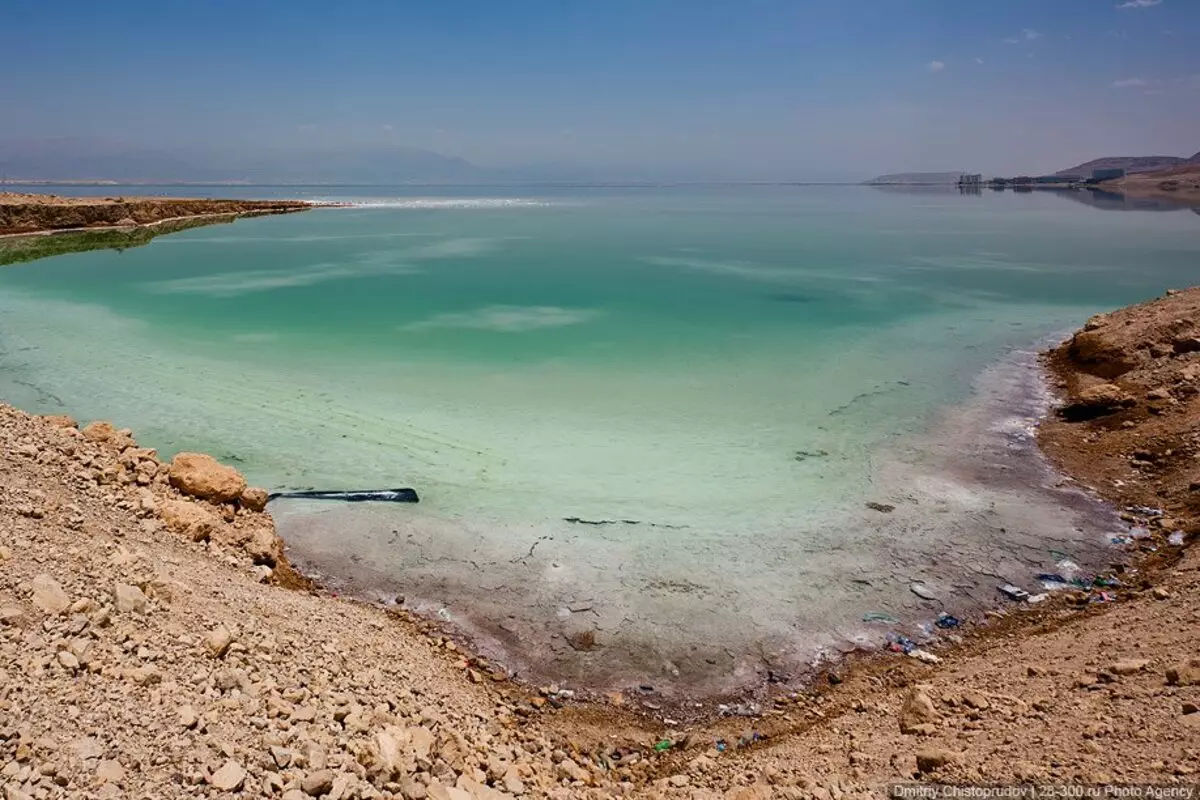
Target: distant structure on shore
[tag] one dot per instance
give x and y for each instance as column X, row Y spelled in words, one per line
column 1108, row 174
column 970, row 179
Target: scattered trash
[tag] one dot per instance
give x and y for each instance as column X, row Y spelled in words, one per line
column 900, row 644
column 747, row 709
column 1139, row 533
column 1175, row 539
column 1146, row 511
column 665, row 744
column 749, row 738
column 879, row 616
column 444, row 613
column 1122, row 540
column 922, row 591
column 945, row 621
column 924, row 655
column 1103, row 597
column 1052, row 577
column 1014, row 593
column 1067, row 568
column 1036, row 598
column 721, row 745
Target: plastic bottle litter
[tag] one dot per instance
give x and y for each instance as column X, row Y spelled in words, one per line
column 1175, row 539
column 665, row 744
column 946, row 621
column 1015, row 593
column 924, row 655
column 922, row 591
column 1067, row 568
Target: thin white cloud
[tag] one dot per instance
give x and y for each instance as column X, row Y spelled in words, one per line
column 1128, row 83
column 978, row 60
column 936, row 66
column 1139, row 3
column 506, row 319
column 1027, row 35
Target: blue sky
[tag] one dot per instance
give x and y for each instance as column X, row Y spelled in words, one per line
column 751, row 89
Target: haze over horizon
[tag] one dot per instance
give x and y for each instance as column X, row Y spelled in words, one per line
column 666, row 90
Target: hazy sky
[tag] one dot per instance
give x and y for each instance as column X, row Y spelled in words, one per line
column 753, row 89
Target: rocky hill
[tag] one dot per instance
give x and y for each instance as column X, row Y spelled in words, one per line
column 1131, row 164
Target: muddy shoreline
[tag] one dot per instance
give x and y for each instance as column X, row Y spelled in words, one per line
column 985, row 447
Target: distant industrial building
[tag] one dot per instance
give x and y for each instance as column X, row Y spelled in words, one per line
column 970, row 180
column 1108, row 174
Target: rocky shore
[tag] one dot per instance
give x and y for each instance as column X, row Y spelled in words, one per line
column 40, row 213
column 155, row 642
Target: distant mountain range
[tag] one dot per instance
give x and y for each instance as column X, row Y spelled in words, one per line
column 1131, row 164
column 916, row 179
column 90, row 160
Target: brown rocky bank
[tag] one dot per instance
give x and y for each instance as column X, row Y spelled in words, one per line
column 146, row 648
column 37, row 213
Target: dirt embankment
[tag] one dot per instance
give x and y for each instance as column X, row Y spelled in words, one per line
column 142, row 653
column 1181, row 184
column 35, row 213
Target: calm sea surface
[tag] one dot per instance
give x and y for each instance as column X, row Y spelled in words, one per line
column 721, row 376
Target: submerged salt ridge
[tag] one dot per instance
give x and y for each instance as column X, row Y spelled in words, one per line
column 736, row 372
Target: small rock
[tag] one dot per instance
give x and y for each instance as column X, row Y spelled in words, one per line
column 110, row 771
column 254, row 499
column 145, row 675
column 229, row 777
column 129, row 599
column 318, row 784
column 1128, row 666
column 1185, row 674
column 218, row 640
column 188, row 718
column 48, row 595
column 931, row 760
column 918, row 712
column 1190, row 708
column 68, row 660
column 976, row 701
column 1097, row 401
column 1160, row 593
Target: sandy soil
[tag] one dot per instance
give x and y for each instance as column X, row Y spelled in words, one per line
column 37, row 213
column 153, row 643
column 1180, row 184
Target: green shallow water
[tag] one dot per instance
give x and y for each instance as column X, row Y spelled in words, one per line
column 743, row 368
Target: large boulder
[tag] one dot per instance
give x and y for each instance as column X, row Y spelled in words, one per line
column 1097, row 401
column 204, row 477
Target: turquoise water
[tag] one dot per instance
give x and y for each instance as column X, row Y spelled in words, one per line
column 736, row 369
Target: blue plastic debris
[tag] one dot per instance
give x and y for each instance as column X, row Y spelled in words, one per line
column 1052, row 577
column 945, row 621
column 900, row 644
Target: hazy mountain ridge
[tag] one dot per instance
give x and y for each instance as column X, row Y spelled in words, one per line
column 1131, row 164
column 916, row 179
column 88, row 160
